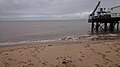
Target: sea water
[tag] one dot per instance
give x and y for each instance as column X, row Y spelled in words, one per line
column 13, row 32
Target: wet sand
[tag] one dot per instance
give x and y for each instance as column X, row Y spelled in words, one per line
column 64, row 54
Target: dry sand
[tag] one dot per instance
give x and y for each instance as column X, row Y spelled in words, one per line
column 75, row 54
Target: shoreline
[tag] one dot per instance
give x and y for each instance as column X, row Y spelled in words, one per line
column 101, row 53
column 69, row 38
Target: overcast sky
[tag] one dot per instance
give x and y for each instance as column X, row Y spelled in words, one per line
column 51, row 7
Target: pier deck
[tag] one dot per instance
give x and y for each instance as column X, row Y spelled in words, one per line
column 105, row 24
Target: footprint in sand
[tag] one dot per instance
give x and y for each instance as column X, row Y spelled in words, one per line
column 108, row 51
column 6, row 64
column 29, row 65
column 29, row 60
column 64, row 61
column 45, row 63
column 35, row 49
column 80, row 59
column 20, row 51
column 42, row 48
column 36, row 57
column 6, row 54
column 82, row 55
column 118, row 55
column 104, row 57
column 98, row 65
column 115, row 65
column 21, row 62
column 11, row 59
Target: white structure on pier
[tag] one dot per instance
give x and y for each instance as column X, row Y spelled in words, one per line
column 115, row 11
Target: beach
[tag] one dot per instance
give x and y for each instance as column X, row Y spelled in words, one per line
column 101, row 53
column 59, row 33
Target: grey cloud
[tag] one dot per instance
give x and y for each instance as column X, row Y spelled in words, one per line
column 51, row 7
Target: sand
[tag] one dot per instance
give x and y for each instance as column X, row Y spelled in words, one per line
column 66, row 54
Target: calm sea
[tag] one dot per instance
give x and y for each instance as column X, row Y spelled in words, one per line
column 21, row 31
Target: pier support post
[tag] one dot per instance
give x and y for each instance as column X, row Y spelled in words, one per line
column 105, row 27
column 92, row 28
column 117, row 26
column 97, row 26
column 111, row 27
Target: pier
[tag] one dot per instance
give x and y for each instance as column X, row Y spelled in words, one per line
column 105, row 20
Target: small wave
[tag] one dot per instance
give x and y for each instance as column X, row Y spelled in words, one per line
column 25, row 42
column 69, row 38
